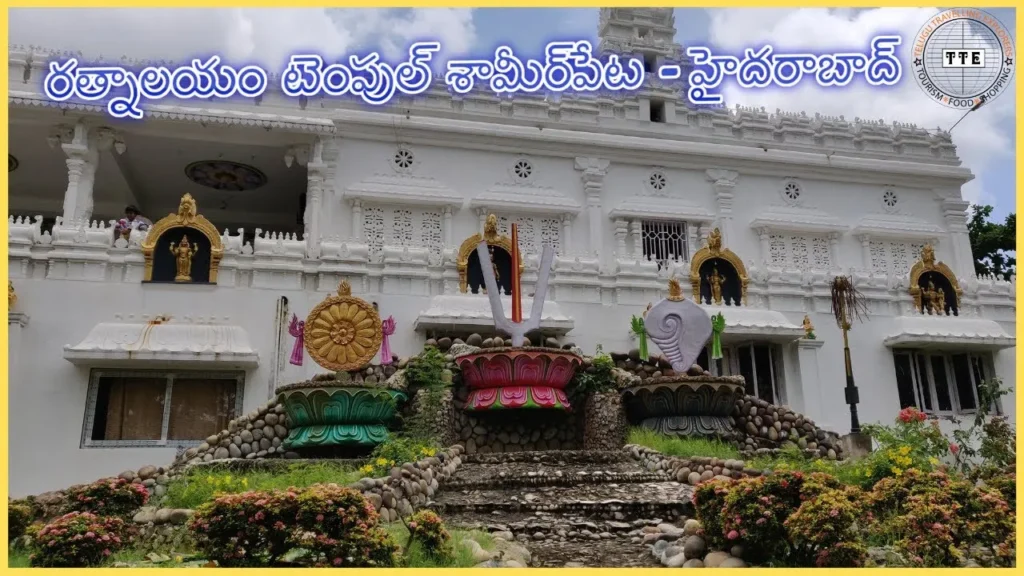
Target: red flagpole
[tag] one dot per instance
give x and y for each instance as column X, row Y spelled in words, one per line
column 517, row 304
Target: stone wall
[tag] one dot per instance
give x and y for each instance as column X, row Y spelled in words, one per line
column 604, row 421
column 693, row 470
column 258, row 434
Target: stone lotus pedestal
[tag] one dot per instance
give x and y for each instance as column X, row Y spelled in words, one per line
column 518, row 378
column 324, row 414
column 685, row 405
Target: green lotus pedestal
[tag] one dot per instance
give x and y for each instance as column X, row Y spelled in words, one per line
column 349, row 416
column 684, row 405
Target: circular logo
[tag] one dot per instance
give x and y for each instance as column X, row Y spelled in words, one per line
column 963, row 57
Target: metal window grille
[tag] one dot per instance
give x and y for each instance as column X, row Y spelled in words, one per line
column 664, row 242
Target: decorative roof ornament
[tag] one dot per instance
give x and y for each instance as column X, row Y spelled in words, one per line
column 675, row 292
column 343, row 333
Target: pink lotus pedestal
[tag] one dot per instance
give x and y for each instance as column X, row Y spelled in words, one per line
column 514, row 378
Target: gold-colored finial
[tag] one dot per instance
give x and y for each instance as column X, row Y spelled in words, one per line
column 675, row 291
column 928, row 255
column 187, row 209
column 491, row 227
column 344, row 288
column 715, row 241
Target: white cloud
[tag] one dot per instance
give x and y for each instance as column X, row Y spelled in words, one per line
column 263, row 36
column 982, row 138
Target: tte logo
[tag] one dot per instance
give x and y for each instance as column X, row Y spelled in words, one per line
column 963, row 57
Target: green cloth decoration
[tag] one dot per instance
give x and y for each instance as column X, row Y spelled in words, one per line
column 641, row 332
column 717, row 327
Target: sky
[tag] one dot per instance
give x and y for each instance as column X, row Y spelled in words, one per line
column 985, row 139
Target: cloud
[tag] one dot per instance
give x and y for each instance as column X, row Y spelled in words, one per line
column 983, row 138
column 262, row 36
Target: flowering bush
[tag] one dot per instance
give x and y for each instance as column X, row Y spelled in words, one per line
column 19, row 516
column 827, row 519
column 427, row 528
column 394, row 452
column 1006, row 485
column 248, row 529
column 76, row 540
column 755, row 512
column 708, row 502
column 339, row 527
column 109, row 496
column 914, row 442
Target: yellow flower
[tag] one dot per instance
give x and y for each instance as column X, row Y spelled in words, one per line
column 382, row 461
column 227, row 479
column 868, row 472
column 904, row 450
column 933, row 461
column 209, row 479
column 245, row 482
column 177, row 558
column 391, row 463
column 897, row 471
column 431, row 452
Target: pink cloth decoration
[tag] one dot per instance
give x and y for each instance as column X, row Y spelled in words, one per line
column 387, row 329
column 297, row 329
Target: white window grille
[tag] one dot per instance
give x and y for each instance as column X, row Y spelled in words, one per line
column 664, row 242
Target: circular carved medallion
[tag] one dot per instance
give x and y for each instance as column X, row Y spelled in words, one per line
column 225, row 175
column 343, row 332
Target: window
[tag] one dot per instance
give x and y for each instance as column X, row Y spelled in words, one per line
column 664, row 242
column 759, row 364
column 939, row 383
column 657, row 111
column 147, row 408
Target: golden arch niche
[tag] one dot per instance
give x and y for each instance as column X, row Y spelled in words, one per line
column 182, row 248
column 717, row 274
column 471, row 278
column 934, row 286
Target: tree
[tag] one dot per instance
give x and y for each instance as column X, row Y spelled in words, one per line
column 991, row 242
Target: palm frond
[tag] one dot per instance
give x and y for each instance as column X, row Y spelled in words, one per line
column 847, row 302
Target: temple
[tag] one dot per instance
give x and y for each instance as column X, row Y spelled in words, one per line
column 131, row 343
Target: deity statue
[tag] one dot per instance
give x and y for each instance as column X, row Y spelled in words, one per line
column 930, row 297
column 715, row 280
column 491, row 227
column 808, row 328
column 715, row 241
column 183, row 254
column 939, row 303
column 12, row 298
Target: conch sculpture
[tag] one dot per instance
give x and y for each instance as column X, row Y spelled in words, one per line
column 680, row 328
column 515, row 327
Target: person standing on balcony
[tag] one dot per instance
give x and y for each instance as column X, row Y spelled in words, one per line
column 133, row 220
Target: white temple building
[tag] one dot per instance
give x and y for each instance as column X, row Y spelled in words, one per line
column 112, row 368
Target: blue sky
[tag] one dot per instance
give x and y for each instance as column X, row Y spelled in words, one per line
column 986, row 139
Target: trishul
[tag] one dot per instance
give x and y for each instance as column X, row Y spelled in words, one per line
column 516, row 328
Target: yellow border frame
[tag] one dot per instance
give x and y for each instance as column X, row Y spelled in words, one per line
column 187, row 217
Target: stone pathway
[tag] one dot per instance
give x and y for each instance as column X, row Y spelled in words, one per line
column 569, row 508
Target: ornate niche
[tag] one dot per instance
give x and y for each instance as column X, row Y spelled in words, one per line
column 714, row 266
column 471, row 277
column 934, row 286
column 184, row 248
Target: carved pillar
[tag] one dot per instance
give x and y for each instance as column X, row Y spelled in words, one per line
column 692, row 241
column 593, row 173
column 865, row 250
column 833, row 248
column 723, row 182
column 810, row 378
column 621, row 229
column 357, row 219
column 446, row 224
column 16, row 322
column 314, row 198
column 82, row 146
column 764, row 237
column 566, row 234
column 954, row 210
column 636, row 231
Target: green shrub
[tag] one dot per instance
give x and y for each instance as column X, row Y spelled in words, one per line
column 199, row 486
column 77, row 540
column 842, row 555
column 709, row 504
column 109, row 497
column 248, row 529
column 1006, row 485
column 427, row 528
column 755, row 513
column 597, row 378
column 339, row 527
column 913, row 442
column 826, row 519
column 427, row 370
column 19, row 516
column 682, row 446
column 395, row 451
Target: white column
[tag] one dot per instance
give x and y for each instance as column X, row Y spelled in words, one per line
column 810, row 379
column 567, row 234
column 954, row 210
column 82, row 146
column 692, row 240
column 621, row 229
column 16, row 322
column 865, row 250
column 636, row 231
column 764, row 237
column 357, row 219
column 314, row 198
column 723, row 182
column 593, row 172
column 446, row 225
column 833, row 247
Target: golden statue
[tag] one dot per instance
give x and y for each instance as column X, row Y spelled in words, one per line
column 930, row 296
column 808, row 327
column 928, row 255
column 715, row 241
column 183, row 254
column 675, row 291
column 939, row 303
column 12, row 298
column 715, row 280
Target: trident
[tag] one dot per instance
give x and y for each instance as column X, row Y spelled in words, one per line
column 515, row 327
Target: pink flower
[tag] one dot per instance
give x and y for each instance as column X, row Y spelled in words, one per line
column 833, row 513
column 337, row 561
column 319, row 517
column 732, row 535
column 953, row 448
column 106, row 552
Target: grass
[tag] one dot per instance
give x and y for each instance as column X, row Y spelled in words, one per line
column 199, row 486
column 682, row 446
